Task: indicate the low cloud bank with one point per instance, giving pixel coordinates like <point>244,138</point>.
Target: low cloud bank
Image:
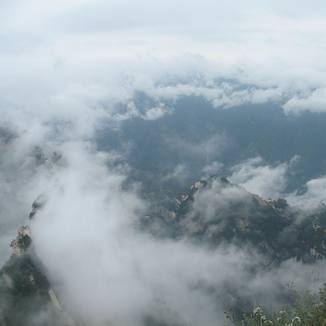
<point>270,181</point>
<point>104,269</point>
<point>107,271</point>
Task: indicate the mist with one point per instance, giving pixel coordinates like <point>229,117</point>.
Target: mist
<point>106,270</point>
<point>112,111</point>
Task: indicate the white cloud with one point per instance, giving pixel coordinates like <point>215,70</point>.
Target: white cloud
<point>270,181</point>
<point>180,173</point>
<point>314,102</point>
<point>261,179</point>
<point>50,48</point>
<point>313,197</point>
<point>155,113</point>
<point>218,201</point>
<point>106,271</point>
<point>205,150</point>
<point>212,168</point>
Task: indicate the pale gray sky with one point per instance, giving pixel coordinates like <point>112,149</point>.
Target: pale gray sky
<point>74,53</point>
<point>127,27</point>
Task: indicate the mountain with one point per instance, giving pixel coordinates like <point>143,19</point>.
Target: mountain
<point>216,212</point>
<point>26,296</point>
<point>212,212</point>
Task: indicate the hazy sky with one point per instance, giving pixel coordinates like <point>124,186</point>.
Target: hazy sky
<point>100,48</point>
<point>165,27</point>
<point>222,30</point>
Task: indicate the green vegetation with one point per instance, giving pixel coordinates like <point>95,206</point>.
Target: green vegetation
<point>307,310</point>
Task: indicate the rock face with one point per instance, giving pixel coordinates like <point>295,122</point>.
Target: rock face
<point>218,212</point>
<point>215,212</point>
<point>26,297</point>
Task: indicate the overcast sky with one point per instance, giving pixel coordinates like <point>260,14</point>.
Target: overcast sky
<point>223,30</point>
<point>48,46</point>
